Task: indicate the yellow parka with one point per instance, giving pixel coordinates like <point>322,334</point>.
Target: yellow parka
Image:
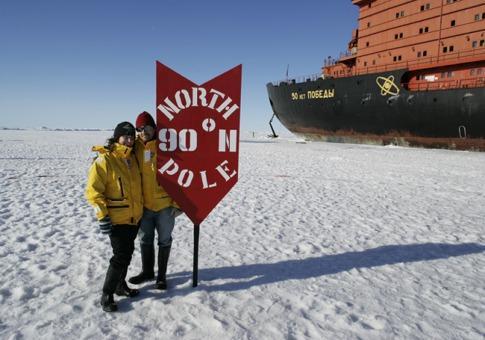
<point>114,185</point>
<point>155,198</point>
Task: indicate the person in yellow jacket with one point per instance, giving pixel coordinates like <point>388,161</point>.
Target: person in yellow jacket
<point>159,208</point>
<point>114,190</point>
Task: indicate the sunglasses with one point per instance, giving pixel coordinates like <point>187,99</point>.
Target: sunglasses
<point>146,128</point>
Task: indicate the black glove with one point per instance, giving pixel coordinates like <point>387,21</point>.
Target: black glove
<point>105,225</point>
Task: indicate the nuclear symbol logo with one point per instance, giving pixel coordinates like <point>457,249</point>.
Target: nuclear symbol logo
<point>387,86</point>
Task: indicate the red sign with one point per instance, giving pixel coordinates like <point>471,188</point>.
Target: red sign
<point>198,138</point>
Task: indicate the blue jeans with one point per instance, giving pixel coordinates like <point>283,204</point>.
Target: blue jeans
<point>162,221</point>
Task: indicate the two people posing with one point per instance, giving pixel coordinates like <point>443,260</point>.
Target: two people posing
<point>127,199</point>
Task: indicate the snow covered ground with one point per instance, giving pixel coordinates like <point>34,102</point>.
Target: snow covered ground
<point>316,241</point>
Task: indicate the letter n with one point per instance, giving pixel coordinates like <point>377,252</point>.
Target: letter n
<point>168,110</point>
<point>227,141</point>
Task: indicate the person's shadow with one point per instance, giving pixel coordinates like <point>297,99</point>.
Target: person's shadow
<point>249,275</point>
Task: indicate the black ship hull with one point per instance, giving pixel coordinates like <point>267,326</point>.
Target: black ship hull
<point>377,108</point>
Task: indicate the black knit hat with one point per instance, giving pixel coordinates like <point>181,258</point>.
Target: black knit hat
<point>124,129</point>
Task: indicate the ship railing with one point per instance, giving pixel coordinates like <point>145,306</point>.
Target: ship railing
<point>383,68</point>
<point>299,79</point>
<point>445,84</point>
<point>347,54</point>
<point>413,63</point>
<point>329,62</point>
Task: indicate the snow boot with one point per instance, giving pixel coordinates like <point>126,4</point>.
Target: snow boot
<point>147,262</point>
<point>107,303</point>
<point>122,288</point>
<point>113,276</point>
<point>163,255</point>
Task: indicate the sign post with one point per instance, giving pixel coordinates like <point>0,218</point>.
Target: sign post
<point>198,142</point>
<point>195,270</point>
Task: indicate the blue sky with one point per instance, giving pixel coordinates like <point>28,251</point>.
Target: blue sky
<point>91,64</point>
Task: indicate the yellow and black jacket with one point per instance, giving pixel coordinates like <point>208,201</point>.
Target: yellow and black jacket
<point>114,185</point>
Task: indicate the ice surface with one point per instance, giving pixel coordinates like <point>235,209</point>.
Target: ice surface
<point>316,241</point>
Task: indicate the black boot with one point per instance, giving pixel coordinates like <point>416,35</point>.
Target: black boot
<point>113,276</point>
<point>122,288</point>
<point>107,303</point>
<point>163,255</point>
<point>147,262</point>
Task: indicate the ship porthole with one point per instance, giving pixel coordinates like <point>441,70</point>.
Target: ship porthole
<point>462,131</point>
<point>435,100</point>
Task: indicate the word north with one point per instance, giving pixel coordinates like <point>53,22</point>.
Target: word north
<point>195,97</point>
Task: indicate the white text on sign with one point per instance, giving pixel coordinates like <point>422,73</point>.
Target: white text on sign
<point>185,177</point>
<point>195,97</point>
<point>186,140</point>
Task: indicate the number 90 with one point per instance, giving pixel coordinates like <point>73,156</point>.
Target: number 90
<point>186,139</point>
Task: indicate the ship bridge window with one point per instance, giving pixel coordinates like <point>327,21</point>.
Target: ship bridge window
<point>448,49</point>
<point>399,14</point>
<point>422,54</point>
<point>453,23</point>
<point>424,30</point>
<point>474,44</point>
<point>425,7</point>
<point>478,16</point>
